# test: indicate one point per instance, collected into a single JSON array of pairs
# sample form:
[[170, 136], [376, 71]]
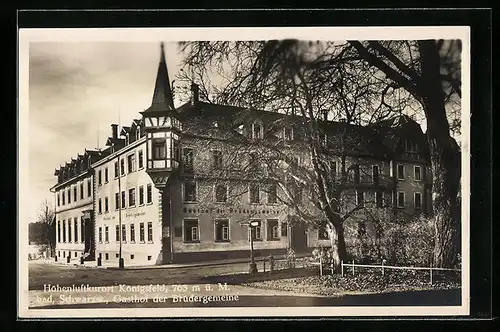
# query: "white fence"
[[383, 267]]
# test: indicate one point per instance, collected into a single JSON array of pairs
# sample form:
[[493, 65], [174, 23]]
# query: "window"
[[69, 231], [106, 178], [375, 174], [122, 166], [284, 229], [256, 231], [75, 226], [272, 229], [117, 201], [141, 232], [418, 174], [360, 198], [131, 163], [106, 234], [64, 230], [106, 204], [124, 233], [63, 198], [217, 159], [159, 148], [323, 233], [401, 199], [378, 199], [89, 188], [132, 233], [191, 230], [190, 191], [117, 170], [222, 230], [59, 231], [187, 159], [410, 146], [254, 195], [401, 172], [323, 139], [100, 234], [272, 194], [131, 197], [106, 256], [253, 162], [355, 170], [81, 190], [257, 131], [288, 133], [117, 233], [58, 200], [220, 193], [141, 159], [150, 231], [149, 194], [141, 195], [418, 201], [75, 194], [69, 196], [100, 206], [333, 170], [82, 231], [99, 177], [123, 200]]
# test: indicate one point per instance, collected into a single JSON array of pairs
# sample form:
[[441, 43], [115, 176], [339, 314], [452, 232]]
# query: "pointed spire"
[[162, 96]]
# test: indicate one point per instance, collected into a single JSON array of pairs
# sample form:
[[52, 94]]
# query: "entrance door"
[[298, 240]]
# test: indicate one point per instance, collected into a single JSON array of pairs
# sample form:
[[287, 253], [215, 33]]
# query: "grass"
[[361, 283]]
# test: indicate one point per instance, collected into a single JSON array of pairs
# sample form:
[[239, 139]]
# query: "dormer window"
[[257, 131], [410, 146], [239, 129], [137, 133], [288, 133]]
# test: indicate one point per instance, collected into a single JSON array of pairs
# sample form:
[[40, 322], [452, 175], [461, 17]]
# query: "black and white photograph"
[[225, 172]]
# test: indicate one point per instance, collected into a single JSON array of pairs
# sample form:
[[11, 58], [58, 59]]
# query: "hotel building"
[[175, 185]]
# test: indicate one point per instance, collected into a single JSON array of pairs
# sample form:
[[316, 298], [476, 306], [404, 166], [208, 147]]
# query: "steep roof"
[[162, 94]]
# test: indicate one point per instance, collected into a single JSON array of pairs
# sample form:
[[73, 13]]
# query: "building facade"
[[182, 184]]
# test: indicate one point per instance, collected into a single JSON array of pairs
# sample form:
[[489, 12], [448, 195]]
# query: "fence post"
[[383, 268], [342, 268], [353, 267], [430, 270], [264, 265], [320, 266]]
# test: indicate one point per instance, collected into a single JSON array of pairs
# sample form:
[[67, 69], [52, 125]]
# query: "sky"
[[76, 91]]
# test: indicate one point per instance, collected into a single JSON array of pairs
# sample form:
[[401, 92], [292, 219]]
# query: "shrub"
[[399, 241]]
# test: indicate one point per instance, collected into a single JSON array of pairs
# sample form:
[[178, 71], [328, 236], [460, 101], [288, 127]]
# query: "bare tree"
[[309, 87], [307, 76], [432, 77], [46, 222]]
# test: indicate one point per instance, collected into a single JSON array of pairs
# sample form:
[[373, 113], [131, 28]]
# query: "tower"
[[163, 130]]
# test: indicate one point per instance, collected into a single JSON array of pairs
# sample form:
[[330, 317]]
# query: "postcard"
[[244, 172]]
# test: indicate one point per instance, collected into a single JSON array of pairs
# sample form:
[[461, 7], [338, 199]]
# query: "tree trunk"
[[445, 159], [337, 239]]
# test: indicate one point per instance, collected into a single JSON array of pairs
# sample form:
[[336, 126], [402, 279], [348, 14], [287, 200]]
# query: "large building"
[[182, 184]]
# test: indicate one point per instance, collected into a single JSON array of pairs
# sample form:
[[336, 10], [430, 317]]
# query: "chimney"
[[114, 129], [195, 93]]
